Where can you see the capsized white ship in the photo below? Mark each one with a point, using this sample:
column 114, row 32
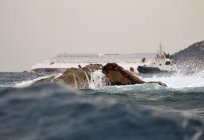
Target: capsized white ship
column 64, row 61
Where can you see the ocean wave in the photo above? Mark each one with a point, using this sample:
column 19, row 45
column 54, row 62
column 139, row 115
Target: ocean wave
column 27, row 83
column 12, row 79
column 175, row 82
column 52, row 111
column 148, row 88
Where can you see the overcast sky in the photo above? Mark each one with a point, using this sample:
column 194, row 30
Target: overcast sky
column 34, row 30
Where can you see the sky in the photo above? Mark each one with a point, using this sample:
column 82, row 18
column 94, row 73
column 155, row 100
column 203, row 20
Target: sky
column 34, row 30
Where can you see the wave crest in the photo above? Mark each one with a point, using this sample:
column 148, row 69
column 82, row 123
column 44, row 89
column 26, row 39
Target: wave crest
column 57, row 112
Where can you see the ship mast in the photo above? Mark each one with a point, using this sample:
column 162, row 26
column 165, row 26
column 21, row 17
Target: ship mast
column 161, row 53
column 160, row 49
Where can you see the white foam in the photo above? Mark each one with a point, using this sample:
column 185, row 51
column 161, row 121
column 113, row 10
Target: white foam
column 97, row 80
column 30, row 82
column 179, row 81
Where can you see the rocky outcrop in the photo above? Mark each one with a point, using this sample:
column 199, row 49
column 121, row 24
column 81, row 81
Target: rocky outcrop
column 117, row 75
column 74, row 77
column 193, row 52
column 191, row 59
column 79, row 77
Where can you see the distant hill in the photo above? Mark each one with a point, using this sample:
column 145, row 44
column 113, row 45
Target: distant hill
column 193, row 52
column 191, row 59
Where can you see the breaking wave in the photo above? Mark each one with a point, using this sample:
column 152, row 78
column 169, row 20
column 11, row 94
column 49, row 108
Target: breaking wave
column 52, row 111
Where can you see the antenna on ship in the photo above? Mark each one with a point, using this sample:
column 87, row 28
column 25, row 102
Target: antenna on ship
column 160, row 48
column 161, row 52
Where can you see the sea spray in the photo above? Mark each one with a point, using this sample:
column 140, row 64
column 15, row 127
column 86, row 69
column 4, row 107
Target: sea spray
column 189, row 66
column 27, row 83
column 177, row 80
column 180, row 80
column 97, row 80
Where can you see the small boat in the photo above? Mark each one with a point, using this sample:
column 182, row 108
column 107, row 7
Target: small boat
column 161, row 63
column 145, row 69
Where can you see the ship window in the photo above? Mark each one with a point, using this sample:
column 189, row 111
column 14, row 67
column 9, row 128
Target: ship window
column 168, row 63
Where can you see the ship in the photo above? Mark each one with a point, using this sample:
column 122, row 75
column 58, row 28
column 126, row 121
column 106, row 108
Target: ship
column 161, row 63
column 131, row 62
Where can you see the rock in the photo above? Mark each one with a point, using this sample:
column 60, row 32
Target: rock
column 74, row 77
column 45, row 80
column 193, row 52
column 158, row 82
column 117, row 75
column 79, row 77
column 91, row 68
column 191, row 59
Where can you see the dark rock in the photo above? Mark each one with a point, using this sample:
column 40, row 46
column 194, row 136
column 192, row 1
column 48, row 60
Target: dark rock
column 119, row 76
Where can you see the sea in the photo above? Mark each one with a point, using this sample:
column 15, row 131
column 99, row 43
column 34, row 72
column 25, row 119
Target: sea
column 131, row 112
